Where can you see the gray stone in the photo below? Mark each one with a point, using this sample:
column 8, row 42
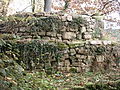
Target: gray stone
column 66, row 51
column 95, row 42
column 89, row 30
column 69, row 18
column 41, row 33
column 66, row 56
column 100, row 58
column 91, row 26
column 22, row 29
column 83, row 29
column 59, row 35
column 107, row 42
column 78, row 56
column 59, row 40
column 87, row 36
column 67, row 62
column 69, row 35
column 61, row 64
column 46, row 38
column 51, row 34
column 63, row 29
column 72, row 52
column 79, row 36
column 63, row 18
column 53, row 39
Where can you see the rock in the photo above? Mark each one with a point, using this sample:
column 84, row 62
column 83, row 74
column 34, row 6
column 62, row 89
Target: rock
column 53, row 39
column 73, row 29
column 66, row 56
column 92, row 26
column 87, row 36
column 60, row 38
column 69, row 35
column 51, row 34
column 67, row 62
column 79, row 36
column 107, row 42
column 72, row 52
column 66, row 51
column 82, row 51
column 63, row 29
column 78, row 56
column 83, row 29
column 59, row 35
column 100, row 58
column 69, row 18
column 95, row 42
column 61, row 64
column 46, row 38
column 41, row 33
column 89, row 30
column 63, row 18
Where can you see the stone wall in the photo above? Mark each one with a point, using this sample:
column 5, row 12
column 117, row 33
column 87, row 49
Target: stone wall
column 78, row 36
column 51, row 26
column 88, row 57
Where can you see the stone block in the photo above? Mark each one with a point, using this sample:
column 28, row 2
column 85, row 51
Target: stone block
column 82, row 51
column 92, row 26
column 75, row 64
column 78, row 69
column 89, row 30
column 63, row 18
column 73, row 29
column 83, row 29
column 79, row 36
column 59, row 35
column 63, row 29
column 46, row 38
column 69, row 18
column 61, row 64
column 41, row 33
column 100, row 58
column 66, row 56
column 69, row 35
column 22, row 29
column 53, row 39
column 60, row 38
column 66, row 51
column 87, row 36
column 67, row 62
column 53, row 34
column 107, row 42
column 78, row 56
column 95, row 42
column 72, row 52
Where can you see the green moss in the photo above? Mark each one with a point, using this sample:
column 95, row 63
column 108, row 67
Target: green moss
column 73, row 70
column 74, row 45
column 79, row 21
column 90, row 86
column 62, row 45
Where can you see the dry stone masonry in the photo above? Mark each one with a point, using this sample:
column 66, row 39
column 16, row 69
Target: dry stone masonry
column 83, row 49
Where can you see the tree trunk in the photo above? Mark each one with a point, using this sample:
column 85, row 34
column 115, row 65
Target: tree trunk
column 48, row 5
